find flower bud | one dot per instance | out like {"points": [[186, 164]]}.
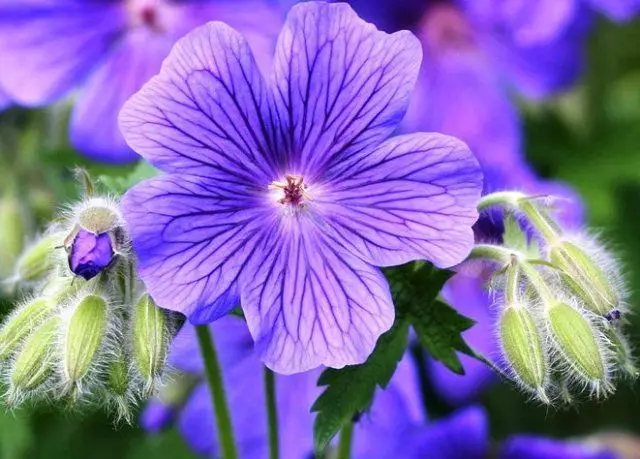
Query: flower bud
{"points": [[38, 259], [33, 363], [150, 339], [93, 243], [84, 334], [12, 232], [523, 349], [90, 254], [577, 343], [584, 277], [22, 322]]}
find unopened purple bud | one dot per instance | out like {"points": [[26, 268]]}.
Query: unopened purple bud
{"points": [[90, 253]]}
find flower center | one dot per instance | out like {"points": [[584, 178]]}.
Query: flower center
{"points": [[290, 191], [444, 27], [146, 13]]}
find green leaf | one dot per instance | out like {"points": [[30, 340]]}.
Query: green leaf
{"points": [[439, 329], [119, 185], [415, 289], [350, 390]]}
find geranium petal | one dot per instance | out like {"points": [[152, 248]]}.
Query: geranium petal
{"points": [[241, 372], [414, 197], [309, 302], [524, 22], [48, 47], [340, 85], [94, 121], [530, 447], [192, 237], [539, 70], [459, 94], [384, 430], [205, 111], [463, 435], [157, 416], [618, 10]]}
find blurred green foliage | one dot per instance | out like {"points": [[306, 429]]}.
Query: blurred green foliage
{"points": [[589, 138]]}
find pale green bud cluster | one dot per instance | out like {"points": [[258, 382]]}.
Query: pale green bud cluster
{"points": [[101, 341], [562, 302]]}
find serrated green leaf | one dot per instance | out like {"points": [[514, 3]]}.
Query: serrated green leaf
{"points": [[350, 390], [415, 290], [119, 185], [439, 329]]}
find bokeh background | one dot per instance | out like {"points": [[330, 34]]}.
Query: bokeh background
{"points": [[588, 137]]}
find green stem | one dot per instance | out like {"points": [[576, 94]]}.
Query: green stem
{"points": [[506, 199], [346, 437], [216, 386], [492, 252], [272, 413], [512, 284], [540, 220]]}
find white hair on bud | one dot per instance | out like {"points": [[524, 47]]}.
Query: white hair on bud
{"points": [[606, 260]]}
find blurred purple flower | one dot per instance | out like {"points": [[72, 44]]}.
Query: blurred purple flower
{"points": [[243, 376], [90, 253], [109, 49], [617, 10], [288, 195], [395, 426], [531, 447], [476, 54]]}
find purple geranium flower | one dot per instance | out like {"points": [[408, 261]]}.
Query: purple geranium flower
{"points": [[90, 253], [395, 427], [108, 49], [243, 374], [288, 193]]}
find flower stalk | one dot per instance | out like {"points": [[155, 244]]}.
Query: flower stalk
{"points": [[216, 386], [272, 413]]}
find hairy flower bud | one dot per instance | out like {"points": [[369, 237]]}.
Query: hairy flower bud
{"points": [[33, 363], [584, 277], [84, 334], [578, 344], [22, 322], [523, 349], [12, 233], [37, 260], [150, 339], [93, 243], [90, 253]]}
